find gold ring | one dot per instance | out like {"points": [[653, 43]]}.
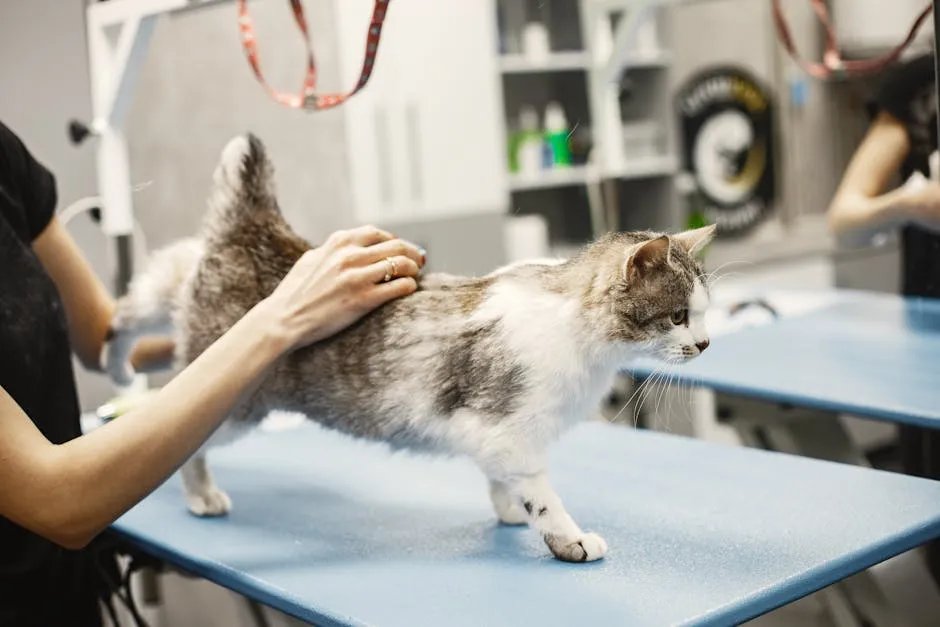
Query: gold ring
{"points": [[391, 269]]}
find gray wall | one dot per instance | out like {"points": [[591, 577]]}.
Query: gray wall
{"points": [[197, 91]]}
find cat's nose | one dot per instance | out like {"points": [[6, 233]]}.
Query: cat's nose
{"points": [[702, 345]]}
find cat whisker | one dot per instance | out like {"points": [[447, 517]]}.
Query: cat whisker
{"points": [[638, 389], [667, 374], [641, 393], [649, 389], [711, 275], [717, 280]]}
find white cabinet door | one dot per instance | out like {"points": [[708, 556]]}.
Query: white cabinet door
{"points": [[374, 133], [450, 86], [425, 137]]}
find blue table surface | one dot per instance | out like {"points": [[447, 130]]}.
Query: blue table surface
{"points": [[340, 532], [869, 354]]}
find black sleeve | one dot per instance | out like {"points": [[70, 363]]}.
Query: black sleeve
{"points": [[901, 85], [29, 180]]}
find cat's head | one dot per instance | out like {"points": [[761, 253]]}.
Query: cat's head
{"points": [[652, 292]]}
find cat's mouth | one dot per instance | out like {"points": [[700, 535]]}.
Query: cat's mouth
{"points": [[677, 354]]}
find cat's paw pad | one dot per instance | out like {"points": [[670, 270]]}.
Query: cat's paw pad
{"points": [[212, 502], [585, 548]]}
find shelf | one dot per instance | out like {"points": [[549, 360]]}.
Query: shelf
{"points": [[555, 62], [559, 177], [659, 59], [576, 61], [647, 167]]}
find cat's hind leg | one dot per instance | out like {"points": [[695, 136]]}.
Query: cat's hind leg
{"points": [[522, 481], [203, 496]]}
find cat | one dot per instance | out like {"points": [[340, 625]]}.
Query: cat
{"points": [[494, 367]]}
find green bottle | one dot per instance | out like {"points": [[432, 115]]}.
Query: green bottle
{"points": [[556, 135]]}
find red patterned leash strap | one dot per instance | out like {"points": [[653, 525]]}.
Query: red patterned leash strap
{"points": [[308, 99], [833, 64]]}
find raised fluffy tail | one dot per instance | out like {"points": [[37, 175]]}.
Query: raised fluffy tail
{"points": [[243, 187], [149, 306]]}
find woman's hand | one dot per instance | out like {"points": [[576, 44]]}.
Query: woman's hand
{"points": [[332, 286], [922, 203]]}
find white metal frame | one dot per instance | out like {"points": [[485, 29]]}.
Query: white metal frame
{"points": [[114, 65]]}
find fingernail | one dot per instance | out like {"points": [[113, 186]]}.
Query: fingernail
{"points": [[424, 256]]}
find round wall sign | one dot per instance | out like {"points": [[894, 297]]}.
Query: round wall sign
{"points": [[727, 130]]}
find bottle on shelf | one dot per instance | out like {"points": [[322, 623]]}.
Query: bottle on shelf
{"points": [[558, 153], [526, 145]]}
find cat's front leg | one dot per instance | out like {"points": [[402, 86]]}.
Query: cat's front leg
{"points": [[530, 488], [203, 496]]}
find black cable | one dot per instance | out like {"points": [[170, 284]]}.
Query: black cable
{"points": [[129, 600], [131, 604], [109, 605]]}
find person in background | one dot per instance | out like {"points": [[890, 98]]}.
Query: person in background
{"points": [[60, 489], [901, 141]]}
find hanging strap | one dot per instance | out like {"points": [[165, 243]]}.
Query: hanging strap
{"points": [[308, 98], [833, 64]]}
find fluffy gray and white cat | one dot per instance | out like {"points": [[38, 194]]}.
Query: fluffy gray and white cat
{"points": [[493, 367]]}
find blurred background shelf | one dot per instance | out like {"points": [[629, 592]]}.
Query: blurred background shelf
{"points": [[554, 62], [647, 167], [547, 179]]}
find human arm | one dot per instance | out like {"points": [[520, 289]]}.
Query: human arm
{"points": [[861, 206], [70, 492], [89, 307]]}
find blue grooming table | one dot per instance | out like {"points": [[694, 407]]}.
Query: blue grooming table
{"points": [[862, 353], [337, 532]]}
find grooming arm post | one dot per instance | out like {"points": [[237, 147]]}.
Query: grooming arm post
{"points": [[114, 69]]}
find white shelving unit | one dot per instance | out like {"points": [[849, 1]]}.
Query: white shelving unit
{"points": [[423, 140], [555, 62], [574, 73]]}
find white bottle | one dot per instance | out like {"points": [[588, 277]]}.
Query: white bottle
{"points": [[529, 150], [535, 43]]}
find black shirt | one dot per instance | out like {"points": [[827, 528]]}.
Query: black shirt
{"points": [[40, 582], [908, 92]]}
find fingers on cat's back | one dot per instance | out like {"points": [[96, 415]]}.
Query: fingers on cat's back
{"points": [[395, 288], [360, 236]]}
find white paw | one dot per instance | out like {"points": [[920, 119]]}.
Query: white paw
{"points": [[586, 548], [117, 365], [211, 502]]}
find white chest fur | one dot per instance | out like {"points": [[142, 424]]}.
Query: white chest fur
{"points": [[569, 371]]}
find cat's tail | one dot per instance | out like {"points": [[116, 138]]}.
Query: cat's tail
{"points": [[149, 305], [243, 188]]}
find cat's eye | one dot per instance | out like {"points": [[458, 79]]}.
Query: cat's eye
{"points": [[679, 316]]}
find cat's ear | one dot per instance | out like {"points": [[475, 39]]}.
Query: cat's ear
{"points": [[694, 240], [643, 257]]}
